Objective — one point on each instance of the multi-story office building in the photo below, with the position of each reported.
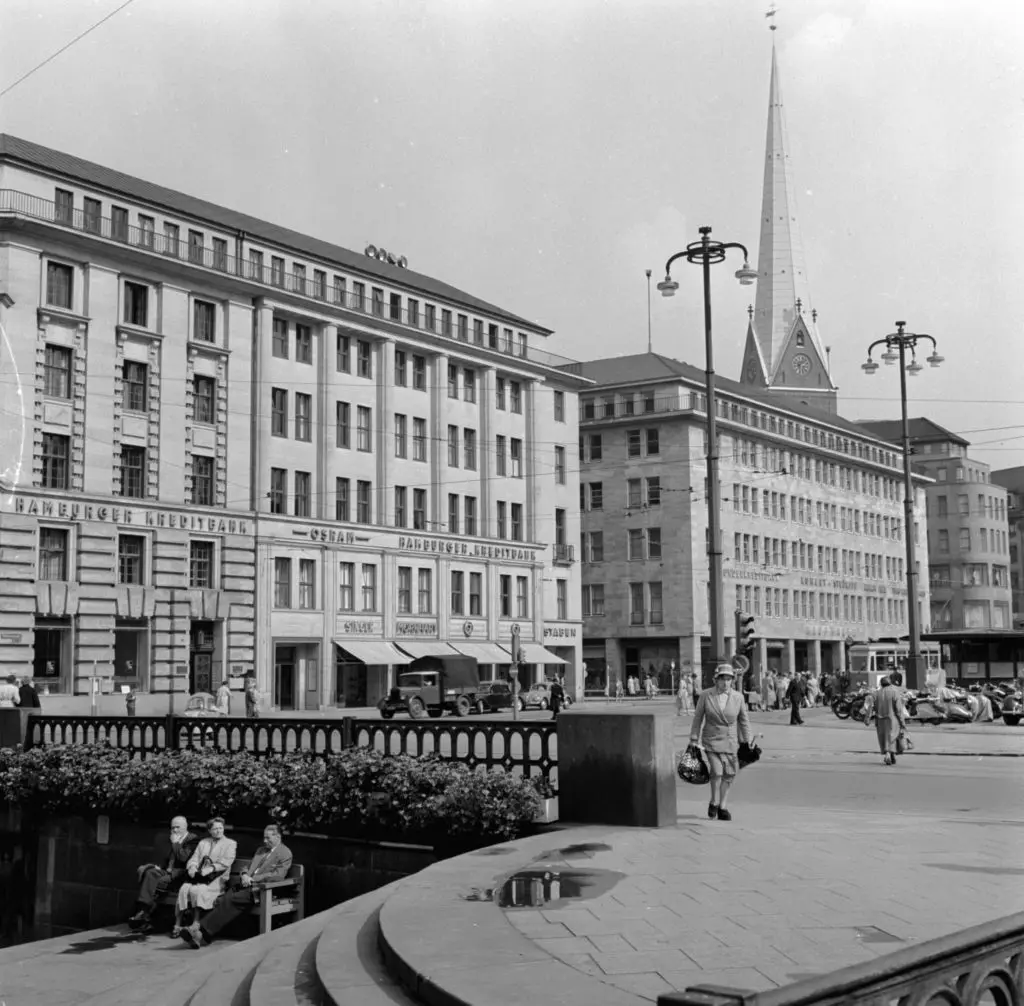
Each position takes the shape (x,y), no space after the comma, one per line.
(1012,479)
(812,525)
(232,448)
(968,530)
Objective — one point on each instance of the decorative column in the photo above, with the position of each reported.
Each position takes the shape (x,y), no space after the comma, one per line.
(324,422)
(485,518)
(530,396)
(384,421)
(437,436)
(789,657)
(263,326)
(814,653)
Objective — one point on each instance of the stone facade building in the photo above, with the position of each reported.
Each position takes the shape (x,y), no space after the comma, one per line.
(1012,479)
(230,448)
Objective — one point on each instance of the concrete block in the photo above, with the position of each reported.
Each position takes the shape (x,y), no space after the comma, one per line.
(616,767)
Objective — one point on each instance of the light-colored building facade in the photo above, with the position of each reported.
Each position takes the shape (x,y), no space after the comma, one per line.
(1012,480)
(230,448)
(968,530)
(812,526)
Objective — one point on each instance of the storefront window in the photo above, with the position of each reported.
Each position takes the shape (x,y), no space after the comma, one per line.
(131,649)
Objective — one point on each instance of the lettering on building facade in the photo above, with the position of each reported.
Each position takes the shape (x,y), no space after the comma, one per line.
(354,628)
(65,510)
(416,629)
(559,632)
(751,574)
(441,546)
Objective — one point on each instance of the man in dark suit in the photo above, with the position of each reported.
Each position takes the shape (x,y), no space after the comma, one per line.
(28,695)
(272,861)
(796,692)
(155,880)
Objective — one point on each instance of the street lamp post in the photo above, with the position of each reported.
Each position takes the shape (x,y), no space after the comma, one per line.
(902,341)
(708,253)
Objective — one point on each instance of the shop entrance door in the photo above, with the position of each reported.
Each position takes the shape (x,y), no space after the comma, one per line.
(284,677)
(201,646)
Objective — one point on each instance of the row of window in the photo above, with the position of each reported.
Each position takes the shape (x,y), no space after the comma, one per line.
(640,493)
(639,443)
(822,559)
(992,507)
(961,474)
(972,574)
(827,608)
(973,615)
(749,500)
(992,540)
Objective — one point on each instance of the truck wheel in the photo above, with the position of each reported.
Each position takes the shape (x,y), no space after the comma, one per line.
(1011,719)
(481,708)
(462,706)
(417,710)
(387,714)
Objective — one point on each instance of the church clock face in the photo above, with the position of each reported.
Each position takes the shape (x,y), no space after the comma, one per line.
(801,364)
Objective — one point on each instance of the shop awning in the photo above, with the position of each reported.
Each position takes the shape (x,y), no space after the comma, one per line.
(374,652)
(534,653)
(427,648)
(484,652)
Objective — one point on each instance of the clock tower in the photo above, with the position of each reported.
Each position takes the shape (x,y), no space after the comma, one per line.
(783,352)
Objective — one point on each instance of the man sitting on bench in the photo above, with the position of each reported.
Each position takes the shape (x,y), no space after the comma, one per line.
(272,862)
(155,880)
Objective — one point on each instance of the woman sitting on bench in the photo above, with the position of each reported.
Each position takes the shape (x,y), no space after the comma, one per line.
(209,868)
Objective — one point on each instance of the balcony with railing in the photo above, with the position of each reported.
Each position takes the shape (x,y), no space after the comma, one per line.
(564,554)
(274,277)
(604,411)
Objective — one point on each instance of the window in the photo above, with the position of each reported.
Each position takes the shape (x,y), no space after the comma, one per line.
(963,504)
(469,449)
(419,373)
(279,343)
(596,546)
(469,514)
(276,270)
(453,513)
(413,312)
(523,597)
(458,582)
(342,425)
(58,285)
(515,396)
(364,360)
(942,506)
(595,446)
(204,395)
(505,596)
(320,284)
(975,574)
(136,386)
(358,296)
(463,324)
(200,564)
(446,322)
(303,344)
(195,247)
(369,587)
(64,206)
(307,584)
(53,553)
(171,233)
(515,457)
(363,513)
(517,522)
(652,440)
(363,420)
(303,415)
(400,368)
(633,492)
(419,439)
(343,355)
(424,592)
(560,466)
(342,499)
(430,317)
(401,514)
(220,254)
(255,265)
(131,555)
(655,609)
(476,593)
(298,278)
(999,577)
(278,412)
(453,446)
(636,544)
(478,331)
(654,543)
(502,519)
(92,215)
(965,539)
(278,489)
(404,590)
(500,466)
(636,604)
(559,406)
(596,495)
(377,301)
(401,438)
(202,480)
(419,509)
(346,586)
(593,599)
(468,385)
(56,451)
(282,583)
(302,494)
(395,307)
(133,472)
(654,491)
(136,304)
(453,381)
(499,393)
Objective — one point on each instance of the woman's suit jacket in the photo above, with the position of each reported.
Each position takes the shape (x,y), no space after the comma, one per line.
(716,728)
(222,854)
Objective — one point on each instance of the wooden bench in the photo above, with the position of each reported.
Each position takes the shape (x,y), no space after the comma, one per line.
(278,897)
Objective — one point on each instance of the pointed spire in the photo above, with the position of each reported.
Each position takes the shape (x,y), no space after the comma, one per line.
(782,289)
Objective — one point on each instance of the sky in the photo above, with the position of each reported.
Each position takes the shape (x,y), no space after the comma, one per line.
(543,154)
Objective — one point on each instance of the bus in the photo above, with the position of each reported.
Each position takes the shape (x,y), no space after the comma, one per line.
(868,663)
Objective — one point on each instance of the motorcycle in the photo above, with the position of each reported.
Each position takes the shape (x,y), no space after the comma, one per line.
(851,704)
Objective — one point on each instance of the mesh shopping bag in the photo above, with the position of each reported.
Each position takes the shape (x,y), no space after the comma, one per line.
(692,768)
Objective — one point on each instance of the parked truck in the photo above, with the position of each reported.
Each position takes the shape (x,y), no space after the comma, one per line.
(433,685)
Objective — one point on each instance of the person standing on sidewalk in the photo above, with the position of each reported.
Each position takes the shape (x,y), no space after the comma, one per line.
(721,724)
(795,695)
(684,693)
(890,716)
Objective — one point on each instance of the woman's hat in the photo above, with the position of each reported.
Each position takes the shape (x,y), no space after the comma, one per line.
(724,671)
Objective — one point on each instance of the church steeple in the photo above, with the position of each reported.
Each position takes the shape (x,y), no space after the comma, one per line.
(784,351)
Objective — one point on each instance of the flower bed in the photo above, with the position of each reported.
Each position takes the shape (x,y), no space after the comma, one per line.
(357,793)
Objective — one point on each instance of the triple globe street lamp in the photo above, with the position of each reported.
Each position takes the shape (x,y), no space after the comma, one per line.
(706,253)
(896,346)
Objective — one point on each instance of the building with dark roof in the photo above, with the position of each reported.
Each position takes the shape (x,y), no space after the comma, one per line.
(230,448)
(968,530)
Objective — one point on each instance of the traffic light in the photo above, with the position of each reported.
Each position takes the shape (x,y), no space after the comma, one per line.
(744,632)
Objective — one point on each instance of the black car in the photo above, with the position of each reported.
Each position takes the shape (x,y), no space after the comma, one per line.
(492,696)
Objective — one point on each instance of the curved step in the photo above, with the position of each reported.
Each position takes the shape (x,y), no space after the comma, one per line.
(348,959)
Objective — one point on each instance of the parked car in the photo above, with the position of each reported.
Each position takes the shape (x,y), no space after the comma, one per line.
(538,696)
(492,696)
(202,705)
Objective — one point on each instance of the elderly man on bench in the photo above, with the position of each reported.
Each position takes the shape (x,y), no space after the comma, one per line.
(271,862)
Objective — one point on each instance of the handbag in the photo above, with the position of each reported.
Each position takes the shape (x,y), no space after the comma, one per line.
(903,743)
(692,768)
(748,754)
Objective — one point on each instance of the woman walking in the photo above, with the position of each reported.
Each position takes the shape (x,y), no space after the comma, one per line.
(684,696)
(890,716)
(721,724)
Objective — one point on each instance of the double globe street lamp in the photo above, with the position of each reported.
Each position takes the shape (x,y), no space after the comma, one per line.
(706,253)
(897,345)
